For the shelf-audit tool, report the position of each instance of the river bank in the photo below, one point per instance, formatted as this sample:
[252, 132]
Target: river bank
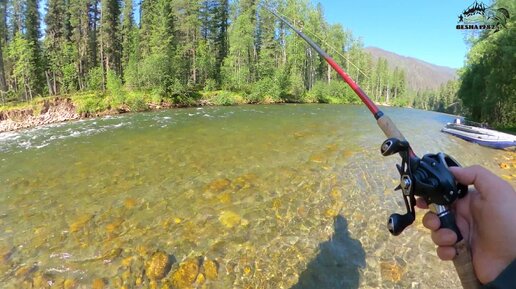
[58, 109]
[48, 110]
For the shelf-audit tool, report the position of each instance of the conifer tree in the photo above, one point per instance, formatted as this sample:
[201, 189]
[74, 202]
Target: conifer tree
[80, 23]
[127, 32]
[56, 44]
[109, 34]
[3, 41]
[33, 35]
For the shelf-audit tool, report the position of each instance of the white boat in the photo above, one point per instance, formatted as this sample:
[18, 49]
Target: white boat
[482, 136]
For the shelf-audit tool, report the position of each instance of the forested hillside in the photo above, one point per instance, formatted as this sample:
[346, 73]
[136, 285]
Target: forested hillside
[172, 49]
[420, 75]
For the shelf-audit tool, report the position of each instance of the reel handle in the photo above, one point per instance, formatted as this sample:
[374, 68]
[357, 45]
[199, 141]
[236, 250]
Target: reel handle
[397, 223]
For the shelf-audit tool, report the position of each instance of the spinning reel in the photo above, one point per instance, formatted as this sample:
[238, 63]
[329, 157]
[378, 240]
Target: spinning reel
[426, 177]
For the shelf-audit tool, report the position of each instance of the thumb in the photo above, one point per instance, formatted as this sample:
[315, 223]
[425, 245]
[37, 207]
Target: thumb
[484, 180]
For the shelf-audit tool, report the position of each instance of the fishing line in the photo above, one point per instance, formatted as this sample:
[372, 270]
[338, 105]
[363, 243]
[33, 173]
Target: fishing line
[324, 42]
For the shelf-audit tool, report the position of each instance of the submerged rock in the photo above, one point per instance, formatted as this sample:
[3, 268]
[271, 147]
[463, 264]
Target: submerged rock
[200, 280]
[113, 226]
[99, 283]
[335, 194]
[243, 181]
[130, 203]
[70, 284]
[331, 213]
[5, 254]
[80, 222]
[316, 158]
[41, 280]
[110, 255]
[347, 153]
[218, 185]
[158, 266]
[25, 270]
[186, 274]
[224, 198]
[231, 219]
[391, 271]
[211, 269]
[504, 166]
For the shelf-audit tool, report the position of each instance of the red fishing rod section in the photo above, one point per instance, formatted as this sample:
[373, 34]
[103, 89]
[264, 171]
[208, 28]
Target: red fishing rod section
[361, 94]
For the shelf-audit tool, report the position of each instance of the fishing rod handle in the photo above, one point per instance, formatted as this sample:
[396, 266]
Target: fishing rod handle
[463, 262]
[464, 265]
[389, 128]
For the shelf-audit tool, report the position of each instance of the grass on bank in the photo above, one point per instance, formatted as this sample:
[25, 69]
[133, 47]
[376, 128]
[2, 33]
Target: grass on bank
[94, 102]
[117, 99]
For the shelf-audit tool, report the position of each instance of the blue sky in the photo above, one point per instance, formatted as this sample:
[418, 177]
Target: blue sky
[423, 29]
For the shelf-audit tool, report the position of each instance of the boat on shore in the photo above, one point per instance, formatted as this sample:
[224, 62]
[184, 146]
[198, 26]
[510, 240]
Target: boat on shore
[480, 135]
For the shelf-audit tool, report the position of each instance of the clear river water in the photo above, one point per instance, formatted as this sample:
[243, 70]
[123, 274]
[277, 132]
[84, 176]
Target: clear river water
[254, 196]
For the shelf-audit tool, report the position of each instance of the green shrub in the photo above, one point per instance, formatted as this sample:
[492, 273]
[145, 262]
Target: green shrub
[266, 90]
[115, 90]
[334, 92]
[156, 96]
[282, 81]
[94, 80]
[177, 88]
[131, 73]
[179, 93]
[136, 102]
[69, 78]
[226, 98]
[90, 104]
[154, 72]
[296, 87]
[400, 101]
[210, 85]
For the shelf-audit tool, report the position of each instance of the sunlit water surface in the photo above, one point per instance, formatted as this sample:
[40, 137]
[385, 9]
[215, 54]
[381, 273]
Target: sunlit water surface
[281, 196]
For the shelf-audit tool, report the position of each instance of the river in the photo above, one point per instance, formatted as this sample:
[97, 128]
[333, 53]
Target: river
[253, 196]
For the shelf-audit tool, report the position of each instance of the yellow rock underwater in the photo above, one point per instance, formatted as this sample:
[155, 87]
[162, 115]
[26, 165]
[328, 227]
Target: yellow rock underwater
[230, 219]
[158, 265]
[186, 274]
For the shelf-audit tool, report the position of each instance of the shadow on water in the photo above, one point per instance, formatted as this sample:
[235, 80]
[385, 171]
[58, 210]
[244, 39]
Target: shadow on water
[337, 264]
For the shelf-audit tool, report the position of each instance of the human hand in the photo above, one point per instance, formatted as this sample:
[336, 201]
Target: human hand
[486, 218]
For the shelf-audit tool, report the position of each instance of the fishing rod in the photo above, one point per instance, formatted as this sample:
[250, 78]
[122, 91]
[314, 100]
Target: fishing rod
[427, 177]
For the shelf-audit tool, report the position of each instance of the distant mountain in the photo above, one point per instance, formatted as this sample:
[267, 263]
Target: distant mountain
[420, 75]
